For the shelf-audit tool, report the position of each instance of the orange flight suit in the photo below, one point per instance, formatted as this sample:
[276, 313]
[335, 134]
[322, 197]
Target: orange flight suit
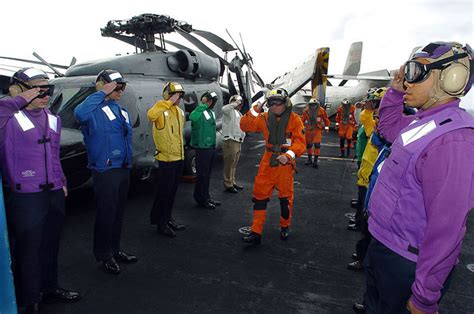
[313, 130]
[280, 176]
[345, 129]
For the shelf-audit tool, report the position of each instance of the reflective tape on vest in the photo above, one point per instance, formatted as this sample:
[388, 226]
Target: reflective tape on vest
[109, 113]
[24, 122]
[418, 132]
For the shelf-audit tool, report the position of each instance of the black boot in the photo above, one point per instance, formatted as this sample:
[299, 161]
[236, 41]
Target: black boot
[315, 162]
[284, 233]
[309, 161]
[253, 238]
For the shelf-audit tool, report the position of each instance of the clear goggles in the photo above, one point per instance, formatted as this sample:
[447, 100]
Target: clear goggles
[416, 72]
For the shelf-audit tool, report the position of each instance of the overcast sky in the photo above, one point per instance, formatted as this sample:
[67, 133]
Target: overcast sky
[278, 34]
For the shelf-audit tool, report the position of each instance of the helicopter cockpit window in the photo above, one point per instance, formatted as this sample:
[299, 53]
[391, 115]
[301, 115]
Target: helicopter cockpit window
[65, 100]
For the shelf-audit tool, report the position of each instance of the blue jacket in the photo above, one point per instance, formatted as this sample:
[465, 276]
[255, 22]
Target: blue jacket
[107, 132]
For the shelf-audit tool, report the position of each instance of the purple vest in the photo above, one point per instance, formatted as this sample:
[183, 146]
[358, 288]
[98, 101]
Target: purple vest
[397, 210]
[30, 156]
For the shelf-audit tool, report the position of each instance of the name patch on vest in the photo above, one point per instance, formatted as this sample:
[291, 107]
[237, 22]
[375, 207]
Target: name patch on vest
[53, 122]
[23, 120]
[28, 173]
[418, 132]
[109, 113]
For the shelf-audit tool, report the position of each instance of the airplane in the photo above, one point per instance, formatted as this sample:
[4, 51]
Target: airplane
[329, 95]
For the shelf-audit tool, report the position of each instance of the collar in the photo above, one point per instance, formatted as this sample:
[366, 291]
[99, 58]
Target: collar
[420, 114]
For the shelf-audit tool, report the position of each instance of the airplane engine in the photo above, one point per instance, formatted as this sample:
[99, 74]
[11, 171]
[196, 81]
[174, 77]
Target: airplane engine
[193, 64]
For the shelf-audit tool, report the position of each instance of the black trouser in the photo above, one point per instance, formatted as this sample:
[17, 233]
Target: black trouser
[204, 159]
[110, 190]
[167, 177]
[389, 279]
[363, 244]
[362, 191]
[35, 222]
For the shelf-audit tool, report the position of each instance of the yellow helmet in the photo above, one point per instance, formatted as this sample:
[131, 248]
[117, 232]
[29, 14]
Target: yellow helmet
[172, 88]
[379, 93]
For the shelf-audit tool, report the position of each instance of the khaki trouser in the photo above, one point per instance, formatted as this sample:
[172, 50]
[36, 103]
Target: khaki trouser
[231, 151]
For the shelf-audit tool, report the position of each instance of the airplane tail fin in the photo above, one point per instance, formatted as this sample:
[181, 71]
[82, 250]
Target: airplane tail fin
[320, 80]
[354, 56]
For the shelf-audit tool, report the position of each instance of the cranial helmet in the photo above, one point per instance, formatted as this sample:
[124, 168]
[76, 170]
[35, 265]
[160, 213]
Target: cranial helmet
[211, 96]
[235, 98]
[314, 102]
[21, 80]
[345, 101]
[108, 76]
[452, 62]
[379, 93]
[172, 88]
[278, 95]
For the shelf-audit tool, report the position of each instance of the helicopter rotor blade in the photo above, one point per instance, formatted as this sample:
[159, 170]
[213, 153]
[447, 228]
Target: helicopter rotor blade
[47, 64]
[238, 48]
[199, 44]
[216, 40]
[175, 44]
[231, 85]
[249, 81]
[35, 62]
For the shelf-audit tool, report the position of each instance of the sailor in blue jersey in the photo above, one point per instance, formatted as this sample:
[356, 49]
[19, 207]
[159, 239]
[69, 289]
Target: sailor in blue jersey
[108, 137]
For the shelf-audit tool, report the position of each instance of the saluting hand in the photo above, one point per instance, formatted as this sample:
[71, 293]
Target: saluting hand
[109, 87]
[397, 82]
[174, 98]
[30, 94]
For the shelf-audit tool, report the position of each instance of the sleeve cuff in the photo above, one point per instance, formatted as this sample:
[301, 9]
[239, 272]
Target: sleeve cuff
[253, 112]
[432, 309]
[291, 154]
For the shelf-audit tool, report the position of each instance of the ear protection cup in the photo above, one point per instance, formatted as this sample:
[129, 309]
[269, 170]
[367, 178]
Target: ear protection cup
[454, 78]
[15, 89]
[99, 85]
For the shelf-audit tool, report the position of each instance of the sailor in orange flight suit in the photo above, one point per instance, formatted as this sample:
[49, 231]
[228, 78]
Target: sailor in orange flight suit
[283, 133]
[345, 122]
[313, 117]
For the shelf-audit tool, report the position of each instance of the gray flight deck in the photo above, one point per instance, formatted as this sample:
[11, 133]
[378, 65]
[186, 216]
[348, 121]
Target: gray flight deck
[207, 268]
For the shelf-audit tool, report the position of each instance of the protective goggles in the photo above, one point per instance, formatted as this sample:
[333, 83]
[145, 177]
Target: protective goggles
[275, 102]
[416, 72]
[45, 90]
[120, 87]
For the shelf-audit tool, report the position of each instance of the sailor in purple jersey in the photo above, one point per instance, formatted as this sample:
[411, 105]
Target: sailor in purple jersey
[419, 206]
[36, 188]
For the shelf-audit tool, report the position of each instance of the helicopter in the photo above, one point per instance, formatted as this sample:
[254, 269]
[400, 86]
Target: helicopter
[146, 73]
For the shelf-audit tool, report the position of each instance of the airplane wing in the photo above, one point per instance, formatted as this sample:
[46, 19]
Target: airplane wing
[361, 77]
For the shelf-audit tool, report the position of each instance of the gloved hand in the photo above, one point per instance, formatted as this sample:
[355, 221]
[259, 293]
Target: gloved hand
[326, 128]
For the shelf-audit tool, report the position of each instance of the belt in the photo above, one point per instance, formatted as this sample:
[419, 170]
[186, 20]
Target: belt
[269, 149]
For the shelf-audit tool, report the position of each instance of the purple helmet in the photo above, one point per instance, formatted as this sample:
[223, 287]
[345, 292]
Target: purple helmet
[26, 75]
[439, 50]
